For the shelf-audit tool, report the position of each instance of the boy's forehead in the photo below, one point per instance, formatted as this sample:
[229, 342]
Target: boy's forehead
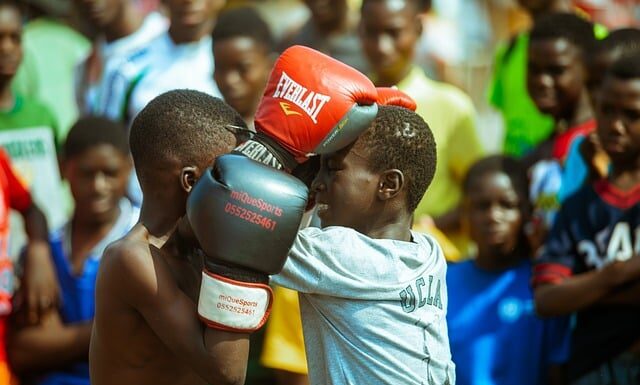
[552, 49]
[614, 88]
[10, 14]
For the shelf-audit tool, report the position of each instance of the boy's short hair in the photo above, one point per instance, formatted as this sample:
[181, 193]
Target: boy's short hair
[400, 139]
[183, 125]
[626, 68]
[243, 22]
[507, 165]
[626, 40]
[93, 131]
[567, 26]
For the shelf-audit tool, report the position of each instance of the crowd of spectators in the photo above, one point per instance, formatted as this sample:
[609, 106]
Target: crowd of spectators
[535, 110]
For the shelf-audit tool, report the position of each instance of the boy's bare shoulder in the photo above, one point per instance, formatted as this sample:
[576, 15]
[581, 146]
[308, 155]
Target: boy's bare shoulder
[131, 251]
[129, 265]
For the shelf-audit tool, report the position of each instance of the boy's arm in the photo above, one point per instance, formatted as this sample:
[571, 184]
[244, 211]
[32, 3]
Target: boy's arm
[629, 292]
[582, 290]
[41, 286]
[557, 291]
[48, 345]
[571, 294]
[216, 356]
[303, 269]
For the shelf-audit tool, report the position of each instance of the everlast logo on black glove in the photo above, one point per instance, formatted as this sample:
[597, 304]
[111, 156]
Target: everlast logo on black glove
[309, 101]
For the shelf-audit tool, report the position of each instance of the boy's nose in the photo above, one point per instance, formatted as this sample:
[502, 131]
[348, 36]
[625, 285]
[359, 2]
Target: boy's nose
[384, 44]
[99, 182]
[543, 79]
[494, 213]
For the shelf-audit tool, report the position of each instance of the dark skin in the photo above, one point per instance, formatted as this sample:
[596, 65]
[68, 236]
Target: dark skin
[389, 34]
[618, 116]
[591, 149]
[328, 15]
[241, 72]
[496, 217]
[113, 18]
[10, 52]
[598, 65]
[348, 193]
[146, 329]
[493, 210]
[41, 291]
[192, 20]
[98, 179]
[556, 79]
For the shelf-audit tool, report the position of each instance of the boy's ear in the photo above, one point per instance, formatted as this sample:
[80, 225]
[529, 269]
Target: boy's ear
[188, 177]
[390, 184]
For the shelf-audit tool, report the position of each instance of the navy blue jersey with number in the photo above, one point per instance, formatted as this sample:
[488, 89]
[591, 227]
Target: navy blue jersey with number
[597, 225]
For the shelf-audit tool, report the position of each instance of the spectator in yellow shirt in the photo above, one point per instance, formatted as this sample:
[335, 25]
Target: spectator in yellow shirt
[389, 31]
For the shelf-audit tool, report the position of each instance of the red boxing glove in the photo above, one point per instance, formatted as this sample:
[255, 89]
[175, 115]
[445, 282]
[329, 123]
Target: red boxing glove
[388, 96]
[314, 104]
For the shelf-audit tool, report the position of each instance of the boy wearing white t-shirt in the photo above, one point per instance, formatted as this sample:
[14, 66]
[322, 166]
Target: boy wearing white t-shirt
[180, 58]
[123, 31]
[373, 294]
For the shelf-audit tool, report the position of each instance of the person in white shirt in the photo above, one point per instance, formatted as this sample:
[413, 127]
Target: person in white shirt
[122, 30]
[179, 58]
[373, 294]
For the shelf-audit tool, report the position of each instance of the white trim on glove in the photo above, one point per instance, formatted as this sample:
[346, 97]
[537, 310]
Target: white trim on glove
[232, 305]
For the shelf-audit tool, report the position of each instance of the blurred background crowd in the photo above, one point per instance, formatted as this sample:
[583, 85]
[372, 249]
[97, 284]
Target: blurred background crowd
[509, 88]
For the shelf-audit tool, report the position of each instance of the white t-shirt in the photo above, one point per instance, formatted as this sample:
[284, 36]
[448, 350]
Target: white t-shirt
[94, 92]
[175, 66]
[373, 310]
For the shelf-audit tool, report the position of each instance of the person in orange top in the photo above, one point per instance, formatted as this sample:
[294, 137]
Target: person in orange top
[13, 195]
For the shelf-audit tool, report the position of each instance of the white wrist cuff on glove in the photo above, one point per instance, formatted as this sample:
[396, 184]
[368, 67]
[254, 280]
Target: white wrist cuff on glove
[233, 305]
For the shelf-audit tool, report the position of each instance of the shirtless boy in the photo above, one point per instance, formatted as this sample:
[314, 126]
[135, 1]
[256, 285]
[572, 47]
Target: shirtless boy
[145, 330]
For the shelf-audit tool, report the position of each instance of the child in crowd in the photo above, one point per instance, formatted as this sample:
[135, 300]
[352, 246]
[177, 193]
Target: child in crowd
[332, 28]
[389, 31]
[24, 117]
[525, 125]
[13, 195]
[619, 43]
[179, 58]
[96, 163]
[556, 81]
[243, 51]
[490, 298]
[590, 263]
[373, 294]
[16, 111]
[587, 161]
[122, 31]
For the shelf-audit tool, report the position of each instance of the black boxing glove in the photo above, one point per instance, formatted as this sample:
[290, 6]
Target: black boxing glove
[245, 216]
